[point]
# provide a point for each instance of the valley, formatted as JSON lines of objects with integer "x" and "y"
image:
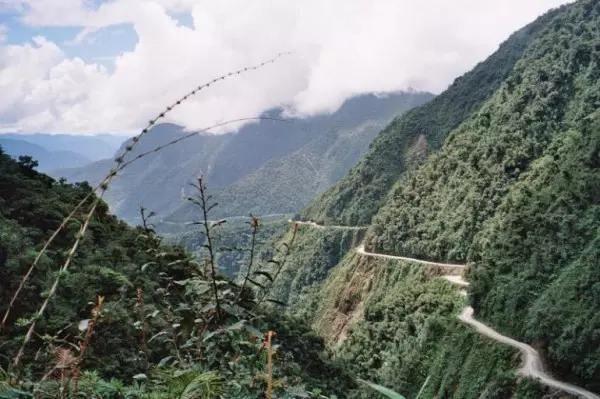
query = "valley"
{"x": 272, "y": 166}
{"x": 532, "y": 365}
{"x": 402, "y": 245}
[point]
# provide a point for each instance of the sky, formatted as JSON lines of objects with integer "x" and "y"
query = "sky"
{"x": 99, "y": 66}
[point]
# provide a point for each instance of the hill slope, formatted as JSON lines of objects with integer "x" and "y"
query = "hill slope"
{"x": 140, "y": 283}
{"x": 406, "y": 141}
{"x": 267, "y": 167}
{"x": 515, "y": 191}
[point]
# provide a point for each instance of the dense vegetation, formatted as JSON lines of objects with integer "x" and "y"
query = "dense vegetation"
{"x": 404, "y": 143}
{"x": 514, "y": 191}
{"x": 316, "y": 252}
{"x": 235, "y": 242}
{"x": 269, "y": 166}
{"x": 32, "y": 205}
{"x": 133, "y": 317}
{"x": 396, "y": 323}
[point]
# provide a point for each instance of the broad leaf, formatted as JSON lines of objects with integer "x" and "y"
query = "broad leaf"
{"x": 382, "y": 390}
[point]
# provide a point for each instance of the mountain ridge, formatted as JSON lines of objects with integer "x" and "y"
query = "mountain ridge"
{"x": 357, "y": 197}
{"x": 48, "y": 160}
{"x": 512, "y": 191}
{"x": 263, "y": 153}
{"x": 92, "y": 147}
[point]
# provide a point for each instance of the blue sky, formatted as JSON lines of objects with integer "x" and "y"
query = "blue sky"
{"x": 101, "y": 47}
{"x": 139, "y": 55}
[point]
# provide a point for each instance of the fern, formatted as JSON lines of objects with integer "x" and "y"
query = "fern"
{"x": 194, "y": 384}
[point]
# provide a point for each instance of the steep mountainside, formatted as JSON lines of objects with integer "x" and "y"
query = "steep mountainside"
{"x": 235, "y": 235}
{"x": 47, "y": 160}
{"x": 406, "y": 141}
{"x": 513, "y": 192}
{"x": 267, "y": 167}
{"x": 108, "y": 263}
{"x": 393, "y": 322}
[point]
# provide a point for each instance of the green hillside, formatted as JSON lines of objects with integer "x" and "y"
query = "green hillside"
{"x": 269, "y": 166}
{"x": 500, "y": 174}
{"x": 405, "y": 142}
{"x": 133, "y": 317}
{"x": 513, "y": 191}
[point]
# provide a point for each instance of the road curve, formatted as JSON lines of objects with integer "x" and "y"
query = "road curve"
{"x": 361, "y": 250}
{"x": 320, "y": 226}
{"x": 532, "y": 363}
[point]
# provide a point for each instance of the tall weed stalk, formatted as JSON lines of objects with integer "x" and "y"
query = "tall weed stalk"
{"x": 103, "y": 186}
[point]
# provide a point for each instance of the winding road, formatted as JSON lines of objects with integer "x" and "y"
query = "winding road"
{"x": 361, "y": 250}
{"x": 532, "y": 362}
{"x": 320, "y": 226}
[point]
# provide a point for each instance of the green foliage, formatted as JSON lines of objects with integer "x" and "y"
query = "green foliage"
{"x": 316, "y": 252}
{"x": 514, "y": 191}
{"x": 388, "y": 393}
{"x": 393, "y": 323}
{"x": 403, "y": 144}
{"x": 169, "y": 326}
{"x": 234, "y": 239}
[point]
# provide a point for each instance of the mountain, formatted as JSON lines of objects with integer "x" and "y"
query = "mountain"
{"x": 514, "y": 191}
{"x": 91, "y": 147}
{"x": 48, "y": 160}
{"x": 500, "y": 174}
{"x": 267, "y": 167}
{"x": 129, "y": 305}
{"x": 406, "y": 142}
{"x": 481, "y": 206}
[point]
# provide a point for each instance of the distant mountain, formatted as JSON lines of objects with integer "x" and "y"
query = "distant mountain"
{"x": 93, "y": 148}
{"x": 266, "y": 167}
{"x": 48, "y": 160}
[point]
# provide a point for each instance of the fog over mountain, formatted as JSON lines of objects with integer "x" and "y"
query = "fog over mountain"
{"x": 108, "y": 66}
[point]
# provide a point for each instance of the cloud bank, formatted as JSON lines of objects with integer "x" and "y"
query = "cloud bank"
{"x": 340, "y": 48}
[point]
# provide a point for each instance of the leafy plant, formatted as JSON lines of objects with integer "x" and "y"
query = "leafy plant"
{"x": 388, "y": 393}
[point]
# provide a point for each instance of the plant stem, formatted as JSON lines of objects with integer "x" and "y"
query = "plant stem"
{"x": 120, "y": 160}
{"x": 204, "y": 198}
{"x": 269, "y": 364}
{"x": 288, "y": 249}
{"x": 255, "y": 222}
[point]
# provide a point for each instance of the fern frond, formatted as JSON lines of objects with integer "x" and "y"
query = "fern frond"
{"x": 194, "y": 384}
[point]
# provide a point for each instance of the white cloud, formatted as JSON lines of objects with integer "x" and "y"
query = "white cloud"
{"x": 341, "y": 48}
